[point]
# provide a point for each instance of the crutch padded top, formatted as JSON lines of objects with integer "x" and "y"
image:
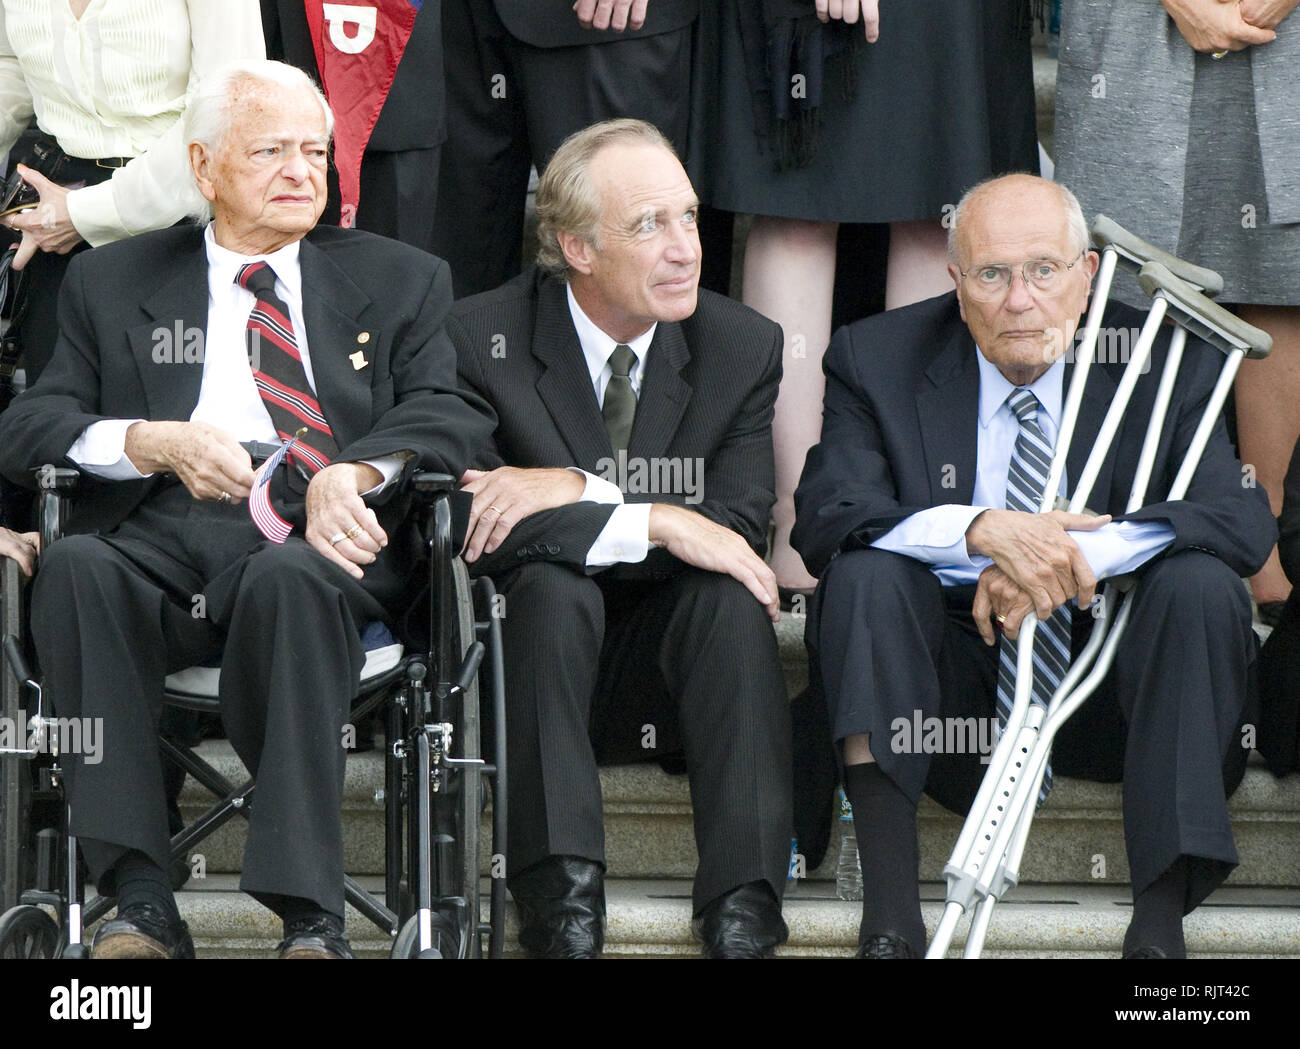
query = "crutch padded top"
{"x": 1136, "y": 252}
{"x": 1201, "y": 317}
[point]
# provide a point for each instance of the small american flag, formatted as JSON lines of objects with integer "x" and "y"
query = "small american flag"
{"x": 268, "y": 522}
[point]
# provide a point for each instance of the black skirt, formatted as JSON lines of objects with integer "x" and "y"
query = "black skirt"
{"x": 944, "y": 99}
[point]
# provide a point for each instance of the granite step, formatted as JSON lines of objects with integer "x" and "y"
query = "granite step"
{"x": 651, "y": 918}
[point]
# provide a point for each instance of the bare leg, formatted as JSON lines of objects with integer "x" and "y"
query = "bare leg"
{"x": 1268, "y": 424}
{"x": 918, "y": 263}
{"x": 790, "y": 277}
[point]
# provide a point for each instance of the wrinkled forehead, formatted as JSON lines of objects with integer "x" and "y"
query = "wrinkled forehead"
{"x": 1010, "y": 226}
{"x": 260, "y": 108}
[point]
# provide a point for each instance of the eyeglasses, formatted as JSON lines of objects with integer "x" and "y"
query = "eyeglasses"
{"x": 991, "y": 281}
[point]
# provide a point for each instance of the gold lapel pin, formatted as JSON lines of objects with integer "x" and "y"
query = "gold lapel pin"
{"x": 363, "y": 338}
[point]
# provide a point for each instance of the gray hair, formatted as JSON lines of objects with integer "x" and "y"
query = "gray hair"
{"x": 208, "y": 111}
{"x": 567, "y": 202}
{"x": 1074, "y": 220}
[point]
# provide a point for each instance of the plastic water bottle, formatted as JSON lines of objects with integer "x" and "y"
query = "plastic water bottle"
{"x": 848, "y": 873}
{"x": 796, "y": 870}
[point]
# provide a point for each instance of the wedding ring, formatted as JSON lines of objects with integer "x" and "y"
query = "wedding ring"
{"x": 225, "y": 497}
{"x": 1002, "y": 619}
{"x": 352, "y": 532}
{"x": 494, "y": 509}
{"x": 1216, "y": 55}
{"x": 338, "y": 538}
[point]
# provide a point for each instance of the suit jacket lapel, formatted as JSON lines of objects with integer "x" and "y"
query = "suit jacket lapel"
{"x": 664, "y": 393}
{"x": 168, "y": 348}
{"x": 331, "y": 305}
{"x": 948, "y": 410}
{"x": 565, "y": 384}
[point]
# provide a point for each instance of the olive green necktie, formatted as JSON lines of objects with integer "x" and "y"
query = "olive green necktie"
{"x": 619, "y": 408}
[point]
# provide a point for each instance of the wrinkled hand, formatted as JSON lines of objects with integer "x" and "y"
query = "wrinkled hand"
{"x": 505, "y": 496}
{"x": 208, "y": 461}
{"x": 693, "y": 538}
{"x": 335, "y": 507}
{"x": 48, "y": 226}
{"x": 1034, "y": 551}
{"x": 1209, "y": 25}
{"x": 998, "y": 598}
{"x": 849, "y": 10}
{"x": 611, "y": 14}
{"x": 22, "y": 547}
{"x": 1266, "y": 14}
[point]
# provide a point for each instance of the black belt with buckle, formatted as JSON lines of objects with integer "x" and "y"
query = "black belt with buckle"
{"x": 48, "y": 157}
{"x": 259, "y": 451}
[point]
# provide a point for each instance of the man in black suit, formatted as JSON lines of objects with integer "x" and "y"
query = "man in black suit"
{"x": 151, "y": 394}
{"x": 399, "y": 172}
{"x": 900, "y": 514}
{"x": 521, "y": 76}
{"x": 637, "y": 602}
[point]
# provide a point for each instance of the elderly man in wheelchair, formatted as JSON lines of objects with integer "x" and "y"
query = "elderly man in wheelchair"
{"x": 245, "y": 402}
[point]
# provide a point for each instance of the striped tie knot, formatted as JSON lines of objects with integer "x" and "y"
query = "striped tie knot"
{"x": 1023, "y": 402}
{"x": 256, "y": 277}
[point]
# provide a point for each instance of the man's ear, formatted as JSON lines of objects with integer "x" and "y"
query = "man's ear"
{"x": 955, "y": 274}
{"x": 577, "y": 252}
{"x": 201, "y": 164}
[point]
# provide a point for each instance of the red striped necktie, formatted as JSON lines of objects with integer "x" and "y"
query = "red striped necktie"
{"x": 279, "y": 374}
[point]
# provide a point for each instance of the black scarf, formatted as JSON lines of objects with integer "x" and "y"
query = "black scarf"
{"x": 789, "y": 55}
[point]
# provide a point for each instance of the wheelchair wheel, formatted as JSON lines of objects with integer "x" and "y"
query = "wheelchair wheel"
{"x": 468, "y": 807}
{"x": 28, "y": 932}
{"x": 407, "y": 944}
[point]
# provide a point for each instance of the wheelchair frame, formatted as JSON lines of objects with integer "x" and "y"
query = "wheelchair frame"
{"x": 434, "y": 774}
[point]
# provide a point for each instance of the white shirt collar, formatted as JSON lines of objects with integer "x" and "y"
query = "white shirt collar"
{"x": 223, "y": 264}
{"x": 597, "y": 346}
{"x": 995, "y": 389}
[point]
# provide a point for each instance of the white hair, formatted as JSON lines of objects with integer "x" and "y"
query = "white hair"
{"x": 208, "y": 112}
{"x": 1074, "y": 220}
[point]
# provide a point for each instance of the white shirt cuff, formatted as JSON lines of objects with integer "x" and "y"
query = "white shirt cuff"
{"x": 625, "y": 539}
{"x": 936, "y": 536}
{"x": 1122, "y": 546}
{"x": 390, "y": 466}
{"x": 597, "y": 489}
{"x": 101, "y": 450}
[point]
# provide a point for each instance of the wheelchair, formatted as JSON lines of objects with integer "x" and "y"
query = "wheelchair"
{"x": 436, "y": 781}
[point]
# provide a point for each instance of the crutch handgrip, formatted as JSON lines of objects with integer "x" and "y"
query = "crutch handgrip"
{"x": 1201, "y": 317}
{"x": 1135, "y": 253}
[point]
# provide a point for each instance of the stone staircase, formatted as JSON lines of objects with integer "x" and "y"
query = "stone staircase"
{"x": 1074, "y": 900}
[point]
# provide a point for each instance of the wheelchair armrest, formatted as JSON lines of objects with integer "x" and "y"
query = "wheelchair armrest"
{"x": 56, "y": 484}
{"x": 431, "y": 483}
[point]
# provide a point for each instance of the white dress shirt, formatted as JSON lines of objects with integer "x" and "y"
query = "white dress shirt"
{"x": 228, "y": 397}
{"x": 626, "y": 535}
{"x": 937, "y": 536}
{"x": 114, "y": 83}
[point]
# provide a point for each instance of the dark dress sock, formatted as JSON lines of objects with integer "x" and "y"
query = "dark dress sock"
{"x": 885, "y": 823}
{"x": 1158, "y": 913}
{"x": 140, "y": 880}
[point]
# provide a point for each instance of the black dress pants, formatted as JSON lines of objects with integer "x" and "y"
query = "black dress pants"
{"x": 890, "y": 641}
{"x": 599, "y": 669}
{"x": 510, "y": 105}
{"x": 179, "y": 582}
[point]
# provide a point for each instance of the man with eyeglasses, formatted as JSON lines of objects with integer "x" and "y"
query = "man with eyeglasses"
{"x": 918, "y": 512}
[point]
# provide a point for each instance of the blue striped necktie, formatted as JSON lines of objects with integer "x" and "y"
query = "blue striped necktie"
{"x": 1031, "y": 459}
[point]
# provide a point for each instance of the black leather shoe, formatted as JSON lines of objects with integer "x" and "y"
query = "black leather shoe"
{"x": 1146, "y": 952}
{"x": 884, "y": 945}
{"x": 743, "y": 923}
{"x": 561, "y": 903}
{"x": 141, "y": 930}
{"x": 316, "y": 936}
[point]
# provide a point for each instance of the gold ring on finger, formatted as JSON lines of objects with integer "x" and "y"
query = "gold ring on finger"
{"x": 353, "y": 532}
{"x": 225, "y": 497}
{"x": 495, "y": 509}
{"x": 1216, "y": 55}
{"x": 1002, "y": 619}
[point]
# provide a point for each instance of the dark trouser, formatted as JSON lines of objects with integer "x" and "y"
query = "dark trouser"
{"x": 891, "y": 641}
{"x": 617, "y": 671}
{"x": 175, "y": 584}
{"x": 510, "y": 105}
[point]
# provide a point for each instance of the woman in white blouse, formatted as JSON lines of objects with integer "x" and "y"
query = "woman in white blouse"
{"x": 107, "y": 81}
